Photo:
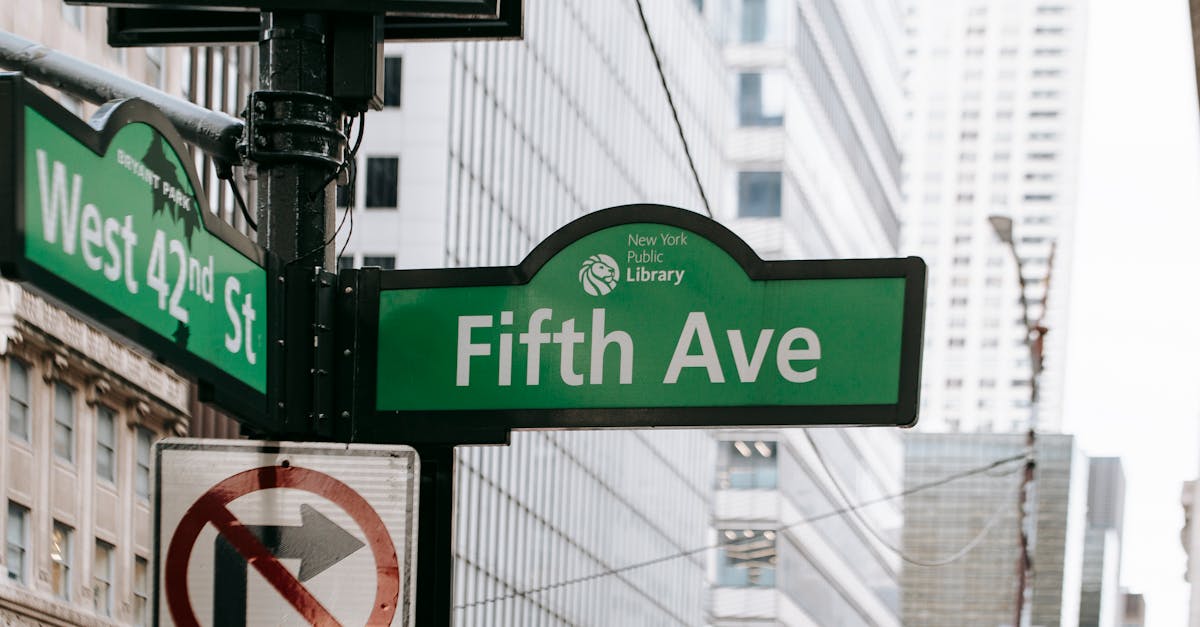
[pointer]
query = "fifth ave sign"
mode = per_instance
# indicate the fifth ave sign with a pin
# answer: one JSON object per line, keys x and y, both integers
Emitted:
{"x": 638, "y": 316}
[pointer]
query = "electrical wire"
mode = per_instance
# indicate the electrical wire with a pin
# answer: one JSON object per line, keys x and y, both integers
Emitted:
{"x": 804, "y": 521}
{"x": 674, "y": 112}
{"x": 349, "y": 164}
{"x": 237, "y": 194}
{"x": 866, "y": 526}
{"x": 351, "y": 194}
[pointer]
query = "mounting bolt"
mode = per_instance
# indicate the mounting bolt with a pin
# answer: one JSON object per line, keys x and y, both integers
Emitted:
{"x": 280, "y": 404}
{"x": 345, "y": 415}
{"x": 260, "y": 106}
{"x": 349, "y": 290}
{"x": 346, "y": 353}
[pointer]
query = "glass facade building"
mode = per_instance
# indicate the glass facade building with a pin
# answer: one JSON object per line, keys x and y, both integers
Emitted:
{"x": 979, "y": 588}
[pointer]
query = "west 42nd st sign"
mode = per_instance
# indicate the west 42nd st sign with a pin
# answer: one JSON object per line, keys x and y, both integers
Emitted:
{"x": 110, "y": 220}
{"x": 638, "y": 316}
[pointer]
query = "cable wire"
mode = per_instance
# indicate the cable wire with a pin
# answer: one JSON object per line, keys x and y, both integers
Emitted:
{"x": 349, "y": 164}
{"x": 866, "y": 526}
{"x": 811, "y": 519}
{"x": 674, "y": 112}
{"x": 237, "y": 194}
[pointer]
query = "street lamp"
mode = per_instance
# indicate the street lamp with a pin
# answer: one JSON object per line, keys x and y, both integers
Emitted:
{"x": 1035, "y": 335}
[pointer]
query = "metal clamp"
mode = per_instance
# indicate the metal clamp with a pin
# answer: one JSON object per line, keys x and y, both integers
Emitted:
{"x": 290, "y": 126}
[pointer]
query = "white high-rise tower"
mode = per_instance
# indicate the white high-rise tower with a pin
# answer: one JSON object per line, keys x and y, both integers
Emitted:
{"x": 995, "y": 89}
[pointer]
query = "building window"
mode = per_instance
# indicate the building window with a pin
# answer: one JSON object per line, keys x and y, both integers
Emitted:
{"x": 141, "y": 591}
{"x": 102, "y": 575}
{"x": 746, "y": 558}
{"x": 64, "y": 422}
{"x": 747, "y": 465}
{"x": 760, "y": 194}
{"x": 106, "y": 443}
{"x": 342, "y": 196}
{"x": 60, "y": 561}
{"x": 141, "y": 480}
{"x": 761, "y": 98}
{"x": 383, "y": 183}
{"x": 73, "y": 15}
{"x": 391, "y": 81}
{"x": 345, "y": 262}
{"x": 18, "y": 400}
{"x": 754, "y": 20}
{"x": 385, "y": 262}
{"x": 17, "y": 544}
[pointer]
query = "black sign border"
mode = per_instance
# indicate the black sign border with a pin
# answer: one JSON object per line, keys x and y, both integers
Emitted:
{"x": 216, "y": 385}
{"x": 493, "y": 426}
{"x": 131, "y": 27}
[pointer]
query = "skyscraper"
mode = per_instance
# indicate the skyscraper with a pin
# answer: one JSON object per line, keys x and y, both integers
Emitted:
{"x": 484, "y": 148}
{"x": 995, "y": 92}
{"x": 814, "y": 172}
{"x": 965, "y": 532}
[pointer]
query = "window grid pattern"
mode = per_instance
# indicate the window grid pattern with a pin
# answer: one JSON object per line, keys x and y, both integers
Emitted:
{"x": 573, "y": 119}
{"x": 559, "y": 505}
{"x": 1029, "y": 117}
{"x": 972, "y": 590}
{"x": 834, "y": 105}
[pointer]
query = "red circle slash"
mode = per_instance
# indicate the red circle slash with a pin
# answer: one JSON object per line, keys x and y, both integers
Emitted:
{"x": 211, "y": 507}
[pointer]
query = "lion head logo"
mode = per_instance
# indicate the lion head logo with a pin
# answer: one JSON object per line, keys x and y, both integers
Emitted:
{"x": 599, "y": 274}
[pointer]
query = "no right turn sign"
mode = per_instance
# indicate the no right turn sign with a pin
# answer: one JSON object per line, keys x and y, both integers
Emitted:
{"x": 253, "y": 533}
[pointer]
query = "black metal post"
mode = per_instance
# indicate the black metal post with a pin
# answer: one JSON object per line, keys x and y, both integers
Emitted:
{"x": 435, "y": 540}
{"x": 294, "y": 197}
{"x": 294, "y": 137}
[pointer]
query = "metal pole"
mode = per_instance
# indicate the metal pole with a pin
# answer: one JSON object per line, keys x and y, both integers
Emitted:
{"x": 294, "y": 195}
{"x": 212, "y": 131}
{"x": 1035, "y": 332}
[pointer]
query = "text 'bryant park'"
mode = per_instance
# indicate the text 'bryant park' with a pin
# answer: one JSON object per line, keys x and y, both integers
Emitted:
{"x": 713, "y": 313}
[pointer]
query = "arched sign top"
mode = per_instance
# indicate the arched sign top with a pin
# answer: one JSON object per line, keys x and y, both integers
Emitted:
{"x": 109, "y": 218}
{"x": 639, "y": 316}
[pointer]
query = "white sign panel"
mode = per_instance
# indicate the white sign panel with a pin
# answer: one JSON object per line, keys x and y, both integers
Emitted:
{"x": 279, "y": 533}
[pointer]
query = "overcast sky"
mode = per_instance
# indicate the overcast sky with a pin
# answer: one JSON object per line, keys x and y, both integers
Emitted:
{"x": 1133, "y": 369}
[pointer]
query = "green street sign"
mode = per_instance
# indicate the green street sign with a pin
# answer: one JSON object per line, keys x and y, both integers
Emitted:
{"x": 637, "y": 316}
{"x": 111, "y": 221}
